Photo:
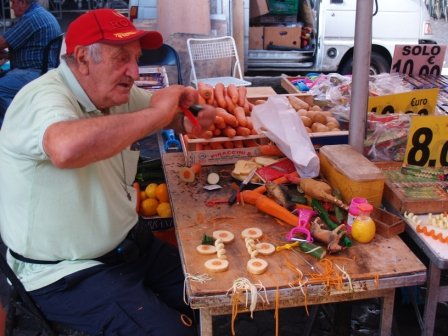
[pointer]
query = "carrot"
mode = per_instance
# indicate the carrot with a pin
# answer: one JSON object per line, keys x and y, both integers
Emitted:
{"x": 228, "y": 144}
{"x": 206, "y": 91}
{"x": 229, "y": 119}
{"x": 229, "y": 132}
{"x": 247, "y": 107}
{"x": 238, "y": 144}
{"x": 240, "y": 116}
{"x": 243, "y": 131}
{"x": 219, "y": 95}
{"x": 250, "y": 196}
{"x": 229, "y": 103}
{"x": 138, "y": 195}
{"x": 232, "y": 92}
{"x": 198, "y": 147}
{"x": 207, "y": 134}
{"x": 201, "y": 100}
{"x": 270, "y": 207}
{"x": 270, "y": 150}
{"x": 249, "y": 125}
{"x": 219, "y": 122}
{"x": 250, "y": 143}
{"x": 217, "y": 132}
{"x": 216, "y": 145}
{"x": 281, "y": 180}
{"x": 242, "y": 93}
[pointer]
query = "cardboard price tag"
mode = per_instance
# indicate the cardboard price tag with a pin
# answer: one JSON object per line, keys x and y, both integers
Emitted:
{"x": 419, "y": 59}
{"x": 421, "y": 102}
{"x": 427, "y": 141}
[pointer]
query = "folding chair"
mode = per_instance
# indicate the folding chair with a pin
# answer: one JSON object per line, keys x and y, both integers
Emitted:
{"x": 54, "y": 46}
{"x": 215, "y": 60}
{"x": 20, "y": 303}
{"x": 165, "y": 55}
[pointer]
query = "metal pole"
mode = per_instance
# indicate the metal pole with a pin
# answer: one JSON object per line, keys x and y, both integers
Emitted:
{"x": 360, "y": 74}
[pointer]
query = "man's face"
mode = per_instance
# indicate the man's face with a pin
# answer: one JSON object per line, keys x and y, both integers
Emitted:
{"x": 111, "y": 79}
{"x": 19, "y": 7}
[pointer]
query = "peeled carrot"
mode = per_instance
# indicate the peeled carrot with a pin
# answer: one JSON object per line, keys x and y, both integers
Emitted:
{"x": 229, "y": 103}
{"x": 243, "y": 131}
{"x": 270, "y": 150}
{"x": 250, "y": 196}
{"x": 270, "y": 207}
{"x": 240, "y": 116}
{"x": 229, "y": 119}
{"x": 219, "y": 122}
{"x": 206, "y": 91}
{"x": 281, "y": 180}
{"x": 229, "y": 132}
{"x": 232, "y": 92}
{"x": 219, "y": 95}
{"x": 242, "y": 93}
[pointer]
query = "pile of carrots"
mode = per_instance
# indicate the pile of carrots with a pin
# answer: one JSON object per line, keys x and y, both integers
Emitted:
{"x": 232, "y": 117}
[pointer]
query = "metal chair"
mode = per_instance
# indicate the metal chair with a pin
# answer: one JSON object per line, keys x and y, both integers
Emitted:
{"x": 165, "y": 55}
{"x": 54, "y": 46}
{"x": 215, "y": 60}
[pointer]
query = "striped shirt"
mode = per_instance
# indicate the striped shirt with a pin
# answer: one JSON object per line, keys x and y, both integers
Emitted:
{"x": 29, "y": 36}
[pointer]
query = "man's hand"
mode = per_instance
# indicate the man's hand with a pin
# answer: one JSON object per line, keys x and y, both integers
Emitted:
{"x": 206, "y": 118}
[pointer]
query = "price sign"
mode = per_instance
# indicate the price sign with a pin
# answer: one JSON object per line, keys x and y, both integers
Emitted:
{"x": 428, "y": 141}
{"x": 418, "y": 59}
{"x": 421, "y": 102}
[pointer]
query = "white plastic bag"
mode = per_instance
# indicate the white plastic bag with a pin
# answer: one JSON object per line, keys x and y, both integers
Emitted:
{"x": 278, "y": 121}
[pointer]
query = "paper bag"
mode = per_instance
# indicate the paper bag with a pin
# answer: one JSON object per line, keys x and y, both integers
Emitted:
{"x": 279, "y": 122}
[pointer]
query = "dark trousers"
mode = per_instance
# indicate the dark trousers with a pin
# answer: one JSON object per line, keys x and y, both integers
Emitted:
{"x": 143, "y": 296}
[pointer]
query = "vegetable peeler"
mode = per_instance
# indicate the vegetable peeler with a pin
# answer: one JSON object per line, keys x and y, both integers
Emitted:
{"x": 191, "y": 114}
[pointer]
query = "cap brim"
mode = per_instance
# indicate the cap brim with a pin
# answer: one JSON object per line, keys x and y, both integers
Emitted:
{"x": 148, "y": 39}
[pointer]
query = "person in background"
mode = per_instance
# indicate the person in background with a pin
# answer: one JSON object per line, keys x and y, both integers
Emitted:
{"x": 25, "y": 42}
{"x": 67, "y": 205}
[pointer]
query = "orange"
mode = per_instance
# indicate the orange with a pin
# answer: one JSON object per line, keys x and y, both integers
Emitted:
{"x": 164, "y": 210}
{"x": 162, "y": 193}
{"x": 150, "y": 190}
{"x": 148, "y": 207}
{"x": 143, "y": 195}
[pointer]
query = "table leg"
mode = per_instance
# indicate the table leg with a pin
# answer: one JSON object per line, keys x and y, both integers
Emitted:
{"x": 387, "y": 312}
{"x": 206, "y": 322}
{"x": 432, "y": 294}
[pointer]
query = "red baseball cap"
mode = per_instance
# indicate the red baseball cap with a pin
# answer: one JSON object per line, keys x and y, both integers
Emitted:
{"x": 108, "y": 26}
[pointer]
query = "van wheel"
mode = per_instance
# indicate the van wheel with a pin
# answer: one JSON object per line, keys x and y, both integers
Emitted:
{"x": 378, "y": 64}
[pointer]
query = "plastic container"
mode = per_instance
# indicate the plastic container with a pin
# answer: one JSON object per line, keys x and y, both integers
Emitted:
{"x": 353, "y": 210}
{"x": 352, "y": 173}
{"x": 363, "y": 227}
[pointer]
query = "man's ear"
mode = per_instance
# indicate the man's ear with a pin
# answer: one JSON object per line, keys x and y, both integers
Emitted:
{"x": 82, "y": 59}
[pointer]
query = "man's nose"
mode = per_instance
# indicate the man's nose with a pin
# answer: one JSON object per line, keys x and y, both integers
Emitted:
{"x": 133, "y": 71}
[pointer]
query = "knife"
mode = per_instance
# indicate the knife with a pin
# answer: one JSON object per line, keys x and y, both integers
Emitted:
{"x": 243, "y": 185}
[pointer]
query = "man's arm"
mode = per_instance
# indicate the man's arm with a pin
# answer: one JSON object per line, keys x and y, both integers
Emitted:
{"x": 3, "y": 43}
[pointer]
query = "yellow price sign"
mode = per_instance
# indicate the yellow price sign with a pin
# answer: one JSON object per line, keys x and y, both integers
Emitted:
{"x": 427, "y": 141}
{"x": 421, "y": 102}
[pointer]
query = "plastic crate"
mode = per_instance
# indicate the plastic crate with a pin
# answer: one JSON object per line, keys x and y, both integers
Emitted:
{"x": 283, "y": 7}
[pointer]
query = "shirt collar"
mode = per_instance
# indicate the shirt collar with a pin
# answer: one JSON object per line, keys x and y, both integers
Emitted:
{"x": 75, "y": 88}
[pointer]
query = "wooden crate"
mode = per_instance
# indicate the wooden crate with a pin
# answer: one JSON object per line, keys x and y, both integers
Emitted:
{"x": 387, "y": 224}
{"x": 410, "y": 194}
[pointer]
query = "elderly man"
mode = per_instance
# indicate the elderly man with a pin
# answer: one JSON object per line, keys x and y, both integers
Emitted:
{"x": 67, "y": 206}
{"x": 26, "y": 41}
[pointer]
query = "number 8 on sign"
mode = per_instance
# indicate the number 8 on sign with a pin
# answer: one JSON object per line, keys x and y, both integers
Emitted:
{"x": 428, "y": 141}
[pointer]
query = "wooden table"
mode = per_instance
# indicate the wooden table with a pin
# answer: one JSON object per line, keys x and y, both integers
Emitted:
{"x": 437, "y": 252}
{"x": 375, "y": 269}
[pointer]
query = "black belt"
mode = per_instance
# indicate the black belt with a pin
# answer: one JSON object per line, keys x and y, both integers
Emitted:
{"x": 128, "y": 250}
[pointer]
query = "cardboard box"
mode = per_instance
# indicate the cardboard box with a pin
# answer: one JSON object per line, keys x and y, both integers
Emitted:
{"x": 282, "y": 36}
{"x": 219, "y": 156}
{"x": 352, "y": 173}
{"x": 256, "y": 38}
{"x": 258, "y": 8}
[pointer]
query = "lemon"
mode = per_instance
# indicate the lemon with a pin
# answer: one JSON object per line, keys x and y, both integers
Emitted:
{"x": 150, "y": 190}
{"x": 363, "y": 230}
{"x": 164, "y": 210}
{"x": 148, "y": 207}
{"x": 162, "y": 193}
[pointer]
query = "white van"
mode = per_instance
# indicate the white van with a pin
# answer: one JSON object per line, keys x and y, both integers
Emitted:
{"x": 331, "y": 26}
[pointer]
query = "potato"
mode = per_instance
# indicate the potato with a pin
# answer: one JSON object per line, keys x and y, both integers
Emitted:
{"x": 318, "y": 127}
{"x": 307, "y": 122}
{"x": 332, "y": 125}
{"x": 319, "y": 117}
{"x": 315, "y": 108}
{"x": 308, "y": 130}
{"x": 332, "y": 120}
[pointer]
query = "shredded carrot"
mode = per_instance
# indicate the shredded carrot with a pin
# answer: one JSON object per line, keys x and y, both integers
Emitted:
{"x": 432, "y": 233}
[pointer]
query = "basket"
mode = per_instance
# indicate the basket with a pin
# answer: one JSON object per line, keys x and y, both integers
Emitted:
{"x": 283, "y": 7}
